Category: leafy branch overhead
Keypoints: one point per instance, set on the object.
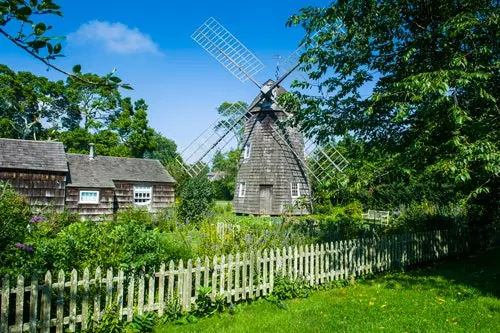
(21, 23)
(417, 80)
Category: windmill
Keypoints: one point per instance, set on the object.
(276, 164)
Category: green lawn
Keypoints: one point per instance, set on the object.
(453, 296)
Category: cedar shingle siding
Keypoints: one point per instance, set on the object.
(272, 167)
(41, 171)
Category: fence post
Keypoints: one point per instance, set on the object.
(4, 317)
(130, 296)
(237, 278)
(97, 296)
(72, 300)
(60, 303)
(19, 303)
(85, 298)
(34, 303)
(161, 290)
(244, 276)
(229, 278)
(271, 272)
(197, 277)
(214, 278)
(45, 305)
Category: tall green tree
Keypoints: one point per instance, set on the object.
(434, 69)
(28, 103)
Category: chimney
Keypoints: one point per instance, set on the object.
(91, 153)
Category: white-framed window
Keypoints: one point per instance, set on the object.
(89, 197)
(142, 194)
(295, 190)
(242, 189)
(246, 150)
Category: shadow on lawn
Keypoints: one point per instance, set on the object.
(460, 278)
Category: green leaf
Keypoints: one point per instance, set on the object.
(23, 12)
(57, 48)
(40, 28)
(33, 3)
(50, 48)
(115, 79)
(127, 87)
(77, 69)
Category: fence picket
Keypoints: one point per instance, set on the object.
(244, 276)
(140, 292)
(4, 317)
(19, 304)
(229, 286)
(72, 300)
(161, 290)
(237, 278)
(130, 297)
(45, 304)
(33, 303)
(97, 295)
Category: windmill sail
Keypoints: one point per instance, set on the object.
(227, 50)
(197, 155)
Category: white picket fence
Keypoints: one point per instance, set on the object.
(61, 305)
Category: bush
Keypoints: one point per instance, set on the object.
(196, 200)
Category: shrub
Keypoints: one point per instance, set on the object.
(196, 200)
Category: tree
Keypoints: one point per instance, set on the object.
(196, 199)
(434, 69)
(233, 120)
(226, 166)
(91, 104)
(26, 102)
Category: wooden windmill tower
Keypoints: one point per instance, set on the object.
(276, 164)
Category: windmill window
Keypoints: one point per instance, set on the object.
(295, 190)
(242, 189)
(246, 151)
(90, 197)
(142, 194)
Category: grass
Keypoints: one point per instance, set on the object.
(461, 295)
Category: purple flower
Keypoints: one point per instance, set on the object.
(37, 218)
(24, 247)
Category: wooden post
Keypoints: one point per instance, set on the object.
(73, 292)
(206, 272)
(151, 293)
(97, 296)
(171, 279)
(271, 272)
(60, 303)
(45, 305)
(140, 293)
(229, 278)
(197, 277)
(130, 297)
(120, 298)
(188, 284)
(244, 276)
(109, 288)
(4, 317)
(214, 278)
(18, 326)
(237, 278)
(33, 304)
(85, 298)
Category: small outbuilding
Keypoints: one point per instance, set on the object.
(92, 186)
(102, 185)
(36, 169)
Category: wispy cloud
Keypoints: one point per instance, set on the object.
(115, 37)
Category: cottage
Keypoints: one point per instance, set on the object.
(92, 186)
(36, 169)
(101, 185)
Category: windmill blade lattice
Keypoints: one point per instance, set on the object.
(227, 50)
(324, 161)
(197, 155)
(321, 162)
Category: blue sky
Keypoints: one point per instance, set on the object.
(150, 46)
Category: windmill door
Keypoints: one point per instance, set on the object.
(266, 199)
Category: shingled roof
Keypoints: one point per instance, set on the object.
(102, 171)
(32, 155)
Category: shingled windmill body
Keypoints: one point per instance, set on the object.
(273, 175)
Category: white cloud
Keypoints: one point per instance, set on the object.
(116, 37)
